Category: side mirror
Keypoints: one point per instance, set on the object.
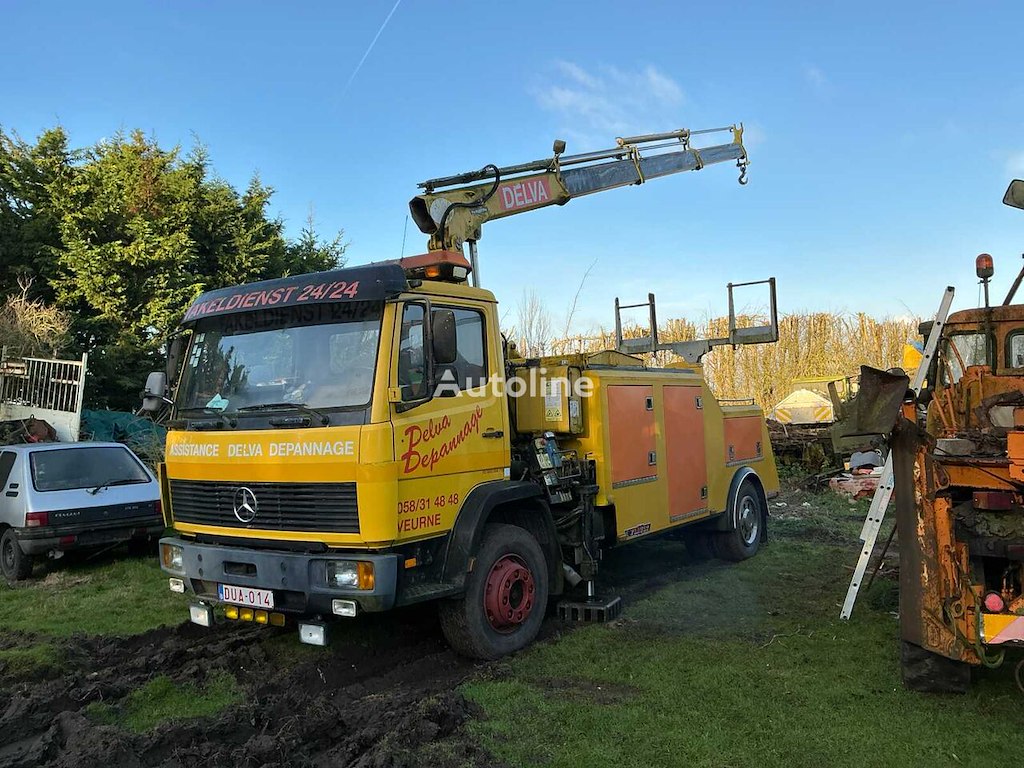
(444, 341)
(1014, 194)
(154, 396)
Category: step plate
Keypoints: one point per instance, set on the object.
(594, 610)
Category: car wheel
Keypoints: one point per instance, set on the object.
(505, 599)
(15, 564)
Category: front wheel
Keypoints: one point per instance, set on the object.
(15, 564)
(745, 539)
(506, 595)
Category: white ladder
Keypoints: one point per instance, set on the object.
(880, 501)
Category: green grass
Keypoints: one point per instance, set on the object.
(744, 665)
(163, 700)
(112, 597)
(29, 660)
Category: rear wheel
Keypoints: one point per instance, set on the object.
(15, 564)
(929, 672)
(745, 539)
(506, 595)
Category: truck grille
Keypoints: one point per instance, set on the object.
(326, 507)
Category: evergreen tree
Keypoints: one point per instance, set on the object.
(29, 226)
(125, 234)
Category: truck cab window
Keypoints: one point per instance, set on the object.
(960, 352)
(411, 353)
(1015, 349)
(470, 366)
(323, 356)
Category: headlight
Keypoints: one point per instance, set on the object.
(353, 574)
(172, 556)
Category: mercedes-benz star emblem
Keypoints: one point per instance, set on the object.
(245, 505)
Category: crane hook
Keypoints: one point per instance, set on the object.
(742, 165)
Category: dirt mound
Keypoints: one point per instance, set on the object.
(384, 694)
(382, 704)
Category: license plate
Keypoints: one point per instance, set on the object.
(257, 598)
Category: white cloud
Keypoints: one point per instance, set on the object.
(816, 78)
(1015, 163)
(600, 104)
(579, 75)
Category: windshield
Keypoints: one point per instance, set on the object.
(71, 468)
(962, 350)
(320, 356)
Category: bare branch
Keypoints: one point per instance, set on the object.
(572, 307)
(533, 327)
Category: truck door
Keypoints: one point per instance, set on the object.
(458, 439)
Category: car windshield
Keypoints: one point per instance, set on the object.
(88, 467)
(321, 356)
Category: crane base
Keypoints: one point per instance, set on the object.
(596, 609)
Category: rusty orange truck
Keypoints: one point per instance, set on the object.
(959, 483)
(365, 438)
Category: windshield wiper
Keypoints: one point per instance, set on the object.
(226, 420)
(113, 481)
(324, 420)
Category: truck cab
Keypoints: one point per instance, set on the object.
(977, 371)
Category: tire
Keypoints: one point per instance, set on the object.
(15, 564)
(699, 545)
(510, 574)
(745, 540)
(929, 672)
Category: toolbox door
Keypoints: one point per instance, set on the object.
(686, 456)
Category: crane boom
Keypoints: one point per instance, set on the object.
(452, 209)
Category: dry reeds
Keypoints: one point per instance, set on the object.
(818, 344)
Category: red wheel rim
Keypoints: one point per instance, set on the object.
(508, 594)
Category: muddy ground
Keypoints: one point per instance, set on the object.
(384, 694)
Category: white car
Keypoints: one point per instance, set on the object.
(62, 496)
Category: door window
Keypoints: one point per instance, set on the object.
(470, 366)
(412, 372)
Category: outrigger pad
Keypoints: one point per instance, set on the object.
(598, 610)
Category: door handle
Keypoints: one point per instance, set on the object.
(493, 433)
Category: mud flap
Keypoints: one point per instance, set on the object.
(928, 672)
(595, 610)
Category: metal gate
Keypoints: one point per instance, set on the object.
(45, 389)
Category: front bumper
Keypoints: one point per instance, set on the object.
(37, 541)
(298, 580)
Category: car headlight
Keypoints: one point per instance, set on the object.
(173, 557)
(353, 574)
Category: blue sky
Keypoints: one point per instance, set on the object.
(881, 135)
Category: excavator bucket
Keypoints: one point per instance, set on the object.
(877, 405)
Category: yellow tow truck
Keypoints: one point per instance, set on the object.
(365, 438)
